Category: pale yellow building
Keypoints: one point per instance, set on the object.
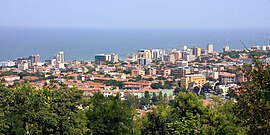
(137, 72)
(178, 55)
(147, 54)
(152, 72)
(210, 48)
(198, 51)
(199, 79)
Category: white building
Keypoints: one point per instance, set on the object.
(224, 89)
(226, 48)
(210, 48)
(263, 48)
(184, 47)
(60, 60)
(51, 62)
(23, 64)
(157, 54)
(34, 59)
(7, 63)
(182, 63)
(60, 57)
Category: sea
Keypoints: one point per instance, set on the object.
(84, 43)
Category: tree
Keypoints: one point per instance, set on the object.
(147, 95)
(225, 121)
(132, 101)
(154, 98)
(196, 90)
(143, 102)
(114, 83)
(157, 121)
(157, 85)
(207, 86)
(65, 104)
(253, 104)
(25, 110)
(167, 85)
(109, 116)
(187, 115)
(176, 91)
(138, 78)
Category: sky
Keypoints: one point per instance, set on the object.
(135, 13)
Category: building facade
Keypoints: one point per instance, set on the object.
(198, 79)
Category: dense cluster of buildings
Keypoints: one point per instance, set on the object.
(184, 68)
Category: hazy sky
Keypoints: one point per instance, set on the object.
(135, 13)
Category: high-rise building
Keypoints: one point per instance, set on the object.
(60, 57)
(143, 61)
(197, 51)
(210, 48)
(184, 47)
(34, 59)
(145, 53)
(51, 62)
(108, 57)
(132, 57)
(23, 64)
(157, 54)
(178, 55)
(226, 48)
(114, 57)
(144, 57)
(99, 58)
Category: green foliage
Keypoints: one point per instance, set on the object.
(161, 78)
(132, 101)
(25, 110)
(144, 102)
(207, 86)
(114, 83)
(138, 78)
(157, 120)
(159, 85)
(187, 115)
(156, 85)
(253, 104)
(178, 90)
(233, 54)
(167, 85)
(109, 116)
(147, 95)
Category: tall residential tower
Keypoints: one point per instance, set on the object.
(60, 59)
(210, 48)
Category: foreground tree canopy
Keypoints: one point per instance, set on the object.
(57, 109)
(187, 115)
(25, 110)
